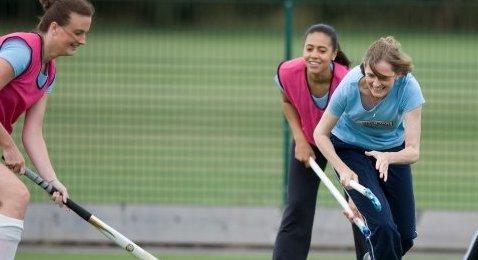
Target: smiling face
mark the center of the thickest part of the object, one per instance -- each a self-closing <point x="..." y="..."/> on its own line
<point x="381" y="81"/>
<point x="318" y="52"/>
<point x="71" y="35"/>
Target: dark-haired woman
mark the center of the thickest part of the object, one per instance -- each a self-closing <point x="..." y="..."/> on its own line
<point x="307" y="84"/>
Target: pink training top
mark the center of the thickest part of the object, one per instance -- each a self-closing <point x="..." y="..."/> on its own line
<point x="292" y="76"/>
<point x="22" y="92"/>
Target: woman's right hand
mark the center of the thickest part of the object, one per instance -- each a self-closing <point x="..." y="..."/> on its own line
<point x="13" y="158"/>
<point x="303" y="151"/>
<point x="346" y="177"/>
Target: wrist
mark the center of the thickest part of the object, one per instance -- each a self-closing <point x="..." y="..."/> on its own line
<point x="388" y="157"/>
<point x="7" y="143"/>
<point x="300" y="140"/>
<point x="52" y="180"/>
<point x="342" y="175"/>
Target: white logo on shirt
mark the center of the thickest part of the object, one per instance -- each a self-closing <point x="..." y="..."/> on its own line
<point x="376" y="123"/>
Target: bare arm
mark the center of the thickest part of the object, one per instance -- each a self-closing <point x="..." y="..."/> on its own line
<point x="6" y="73"/>
<point x="323" y="142"/>
<point x="292" y="117"/>
<point x="34" y="142"/>
<point x="303" y="150"/>
<point x="408" y="155"/>
<point x="35" y="146"/>
<point x="411" y="153"/>
<point x="13" y="158"/>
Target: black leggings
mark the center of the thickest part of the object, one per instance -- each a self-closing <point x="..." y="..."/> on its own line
<point x="294" y="235"/>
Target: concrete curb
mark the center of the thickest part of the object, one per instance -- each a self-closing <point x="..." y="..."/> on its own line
<point x="212" y="226"/>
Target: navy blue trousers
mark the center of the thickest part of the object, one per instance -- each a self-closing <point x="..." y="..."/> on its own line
<point x="295" y="232"/>
<point x="393" y="228"/>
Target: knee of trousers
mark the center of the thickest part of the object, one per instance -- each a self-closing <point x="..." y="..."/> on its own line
<point x="387" y="231"/>
<point x="407" y="236"/>
<point x="407" y="244"/>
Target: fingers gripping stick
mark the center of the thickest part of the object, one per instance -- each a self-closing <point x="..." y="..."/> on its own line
<point x="367" y="193"/>
<point x="340" y="199"/>
<point x="106" y="230"/>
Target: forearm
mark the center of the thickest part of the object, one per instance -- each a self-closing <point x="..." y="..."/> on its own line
<point x="408" y="155"/>
<point x="327" y="149"/>
<point x="6" y="139"/>
<point x="322" y="140"/>
<point x="411" y="153"/>
<point x="36" y="149"/>
<point x="294" y="122"/>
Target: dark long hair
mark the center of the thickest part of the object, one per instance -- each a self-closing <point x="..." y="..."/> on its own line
<point x="332" y="33"/>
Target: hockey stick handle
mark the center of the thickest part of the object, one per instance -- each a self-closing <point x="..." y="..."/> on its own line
<point x="83" y="213"/>
<point x="367" y="193"/>
<point x="340" y="199"/>
<point x="106" y="230"/>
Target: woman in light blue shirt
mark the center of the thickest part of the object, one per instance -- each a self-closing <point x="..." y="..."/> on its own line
<point x="370" y="133"/>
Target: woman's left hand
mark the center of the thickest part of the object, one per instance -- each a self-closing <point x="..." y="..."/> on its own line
<point x="60" y="196"/>
<point x="381" y="164"/>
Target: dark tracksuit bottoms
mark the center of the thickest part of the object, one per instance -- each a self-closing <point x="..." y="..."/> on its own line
<point x="472" y="252"/>
<point x="295" y="232"/>
<point x="393" y="228"/>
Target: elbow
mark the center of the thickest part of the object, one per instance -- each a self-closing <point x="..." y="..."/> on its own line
<point x="318" y="137"/>
<point x="28" y="135"/>
<point x="415" y="156"/>
<point x="25" y="139"/>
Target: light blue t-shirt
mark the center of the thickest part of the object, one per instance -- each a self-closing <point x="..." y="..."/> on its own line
<point x="17" y="53"/>
<point x="380" y="127"/>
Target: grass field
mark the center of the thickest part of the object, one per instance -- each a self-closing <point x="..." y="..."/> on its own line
<point x="193" y="117"/>
<point x="208" y="256"/>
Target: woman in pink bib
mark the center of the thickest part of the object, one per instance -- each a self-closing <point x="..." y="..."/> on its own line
<point x="307" y="83"/>
<point x="27" y="72"/>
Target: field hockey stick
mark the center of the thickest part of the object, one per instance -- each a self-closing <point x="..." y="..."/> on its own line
<point x="367" y="193"/>
<point x="340" y="199"/>
<point x="106" y="230"/>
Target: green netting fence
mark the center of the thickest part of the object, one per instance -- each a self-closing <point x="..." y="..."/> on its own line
<point x="174" y="101"/>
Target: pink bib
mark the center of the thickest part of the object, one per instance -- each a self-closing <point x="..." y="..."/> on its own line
<point x="22" y="92"/>
<point x="292" y="77"/>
